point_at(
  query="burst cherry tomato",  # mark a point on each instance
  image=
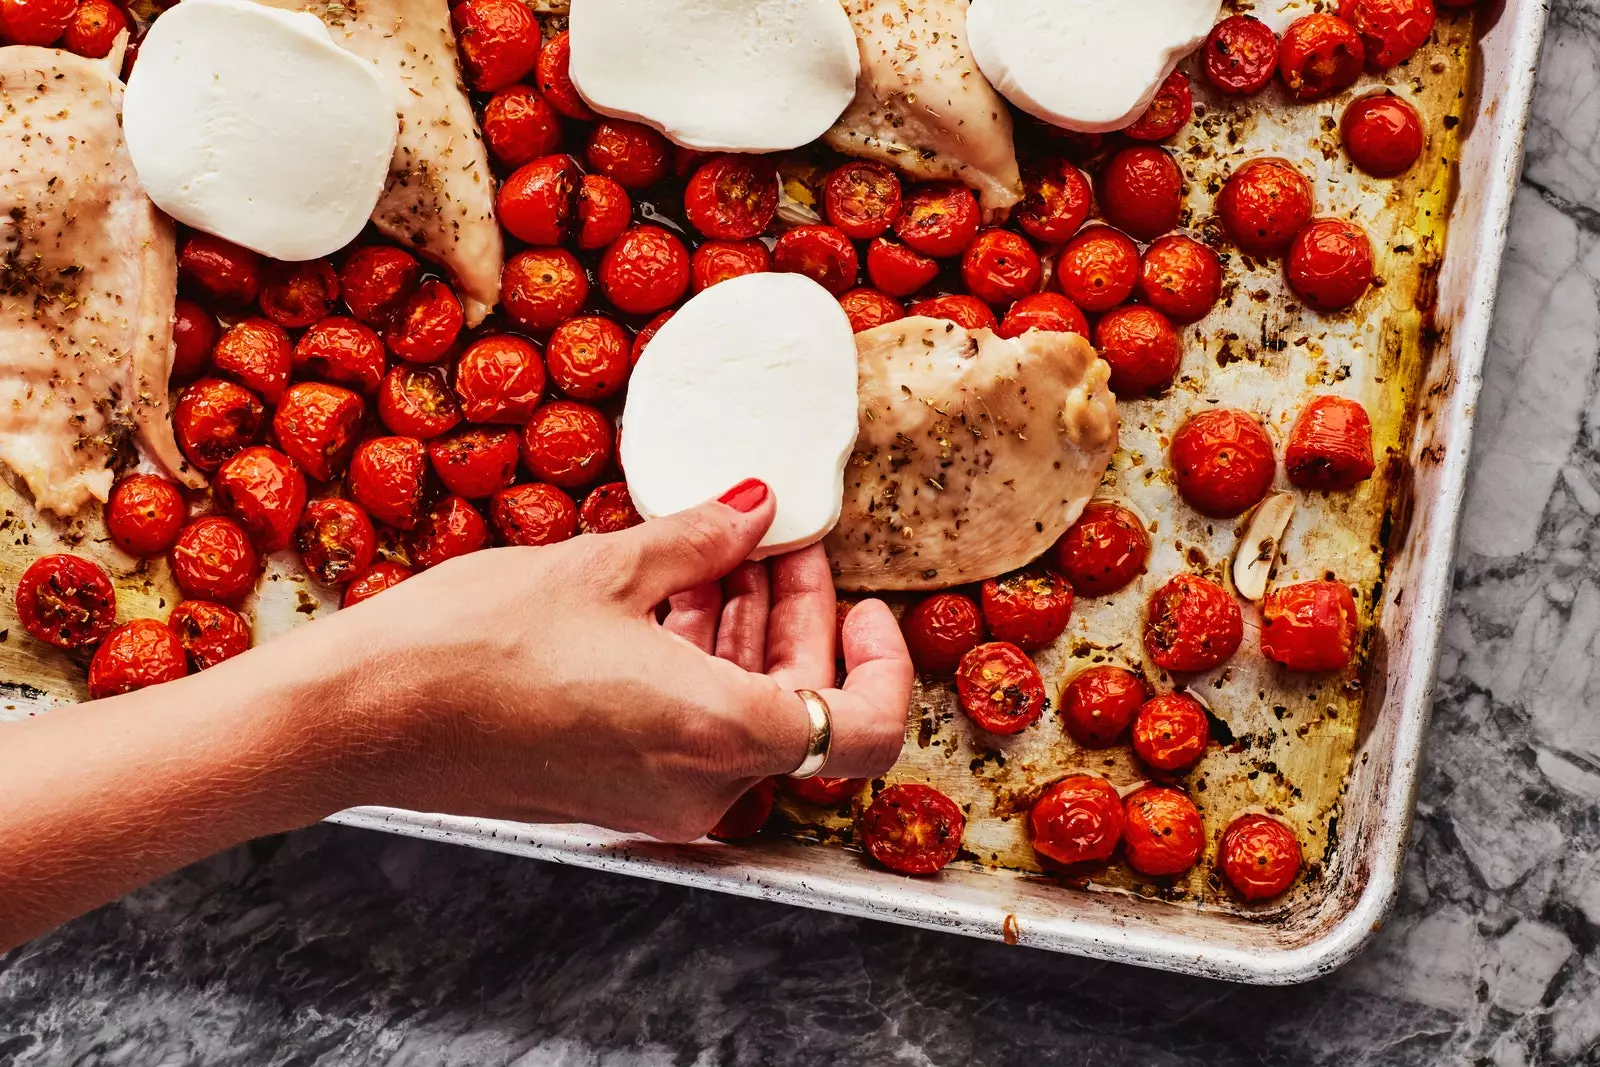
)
(822, 253)
(747, 815)
(451, 528)
(588, 357)
(266, 492)
(476, 462)
(214, 419)
(539, 202)
(1259, 857)
(386, 478)
(1170, 732)
(646, 270)
(316, 426)
(1330, 446)
(1329, 265)
(374, 580)
(500, 379)
(717, 261)
(427, 325)
(376, 280)
(1050, 312)
(295, 295)
(823, 792)
(965, 311)
(534, 515)
(1098, 705)
(940, 630)
(1098, 269)
(1104, 550)
(642, 339)
(1163, 834)
(1391, 30)
(498, 40)
(1077, 820)
(896, 269)
(519, 126)
(93, 29)
(1056, 201)
(1241, 55)
(633, 155)
(608, 509)
(136, 654)
(209, 633)
(732, 198)
(1181, 278)
(1141, 192)
(604, 211)
(862, 198)
(1263, 205)
(336, 540)
(1320, 55)
(256, 354)
(416, 402)
(999, 688)
(66, 601)
(194, 335)
(342, 350)
(219, 271)
(1222, 461)
(1194, 625)
(214, 560)
(567, 444)
(1382, 134)
(35, 22)
(1027, 608)
(144, 514)
(1168, 113)
(1310, 626)
(551, 74)
(939, 219)
(1142, 348)
(912, 829)
(868, 308)
(543, 287)
(1000, 267)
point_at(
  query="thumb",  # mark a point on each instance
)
(699, 545)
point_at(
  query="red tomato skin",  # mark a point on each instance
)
(476, 462)
(451, 528)
(645, 271)
(1000, 267)
(66, 601)
(868, 308)
(135, 655)
(1079, 819)
(1162, 834)
(317, 425)
(1050, 312)
(376, 280)
(1027, 608)
(519, 126)
(336, 540)
(1098, 269)
(897, 270)
(386, 475)
(732, 198)
(604, 211)
(567, 444)
(210, 633)
(498, 41)
(416, 402)
(588, 358)
(717, 261)
(1240, 55)
(1142, 348)
(1330, 445)
(1391, 30)
(214, 560)
(642, 339)
(265, 492)
(1320, 55)
(748, 814)
(1181, 278)
(1098, 705)
(255, 353)
(500, 379)
(1170, 732)
(1141, 192)
(1310, 627)
(822, 253)
(93, 29)
(1382, 134)
(608, 509)
(1263, 205)
(862, 198)
(296, 295)
(1259, 857)
(538, 203)
(1056, 201)
(1104, 551)
(912, 829)
(427, 325)
(1168, 113)
(1000, 689)
(633, 155)
(219, 271)
(35, 22)
(145, 513)
(1329, 265)
(554, 81)
(823, 792)
(194, 335)
(534, 515)
(1193, 625)
(938, 219)
(344, 351)
(376, 579)
(543, 287)
(940, 630)
(965, 311)
(213, 419)
(1222, 462)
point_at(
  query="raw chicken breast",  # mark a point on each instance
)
(922, 106)
(88, 278)
(975, 453)
(440, 198)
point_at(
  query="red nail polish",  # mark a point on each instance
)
(746, 496)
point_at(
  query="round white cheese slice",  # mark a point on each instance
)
(1086, 65)
(250, 123)
(717, 75)
(753, 378)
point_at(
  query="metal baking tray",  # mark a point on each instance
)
(1339, 759)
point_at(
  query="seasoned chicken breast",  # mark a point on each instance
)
(88, 278)
(975, 453)
(922, 106)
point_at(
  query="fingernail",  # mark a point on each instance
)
(746, 496)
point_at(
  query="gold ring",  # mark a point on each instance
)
(820, 735)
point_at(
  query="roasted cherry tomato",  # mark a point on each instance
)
(1141, 191)
(543, 287)
(1168, 113)
(344, 351)
(912, 829)
(539, 202)
(386, 475)
(66, 601)
(374, 580)
(1391, 30)
(1222, 462)
(1029, 608)
(567, 444)
(641, 340)
(1259, 857)
(822, 253)
(1181, 278)
(862, 198)
(1330, 446)
(1263, 205)
(266, 492)
(717, 261)
(498, 39)
(94, 28)
(1104, 550)
(1077, 820)
(938, 219)
(896, 269)
(646, 270)
(136, 654)
(748, 814)
(1194, 625)
(1381, 134)
(144, 514)
(1142, 348)
(533, 515)
(475, 462)
(317, 425)
(1170, 732)
(35, 22)
(1050, 312)
(588, 358)
(519, 126)
(210, 633)
(219, 271)
(732, 198)
(1162, 834)
(427, 325)
(1320, 55)
(999, 688)
(868, 308)
(417, 402)
(214, 560)
(963, 310)
(823, 792)
(256, 354)
(555, 83)
(450, 528)
(214, 419)
(1056, 200)
(1310, 626)
(194, 335)
(1098, 269)
(1329, 265)
(604, 211)
(631, 154)
(1241, 55)
(336, 540)
(1098, 705)
(295, 295)
(942, 629)
(1000, 267)
(500, 379)
(608, 509)
(376, 280)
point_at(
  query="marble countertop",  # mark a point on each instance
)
(338, 946)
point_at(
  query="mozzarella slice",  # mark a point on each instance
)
(1087, 65)
(251, 124)
(717, 75)
(753, 378)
